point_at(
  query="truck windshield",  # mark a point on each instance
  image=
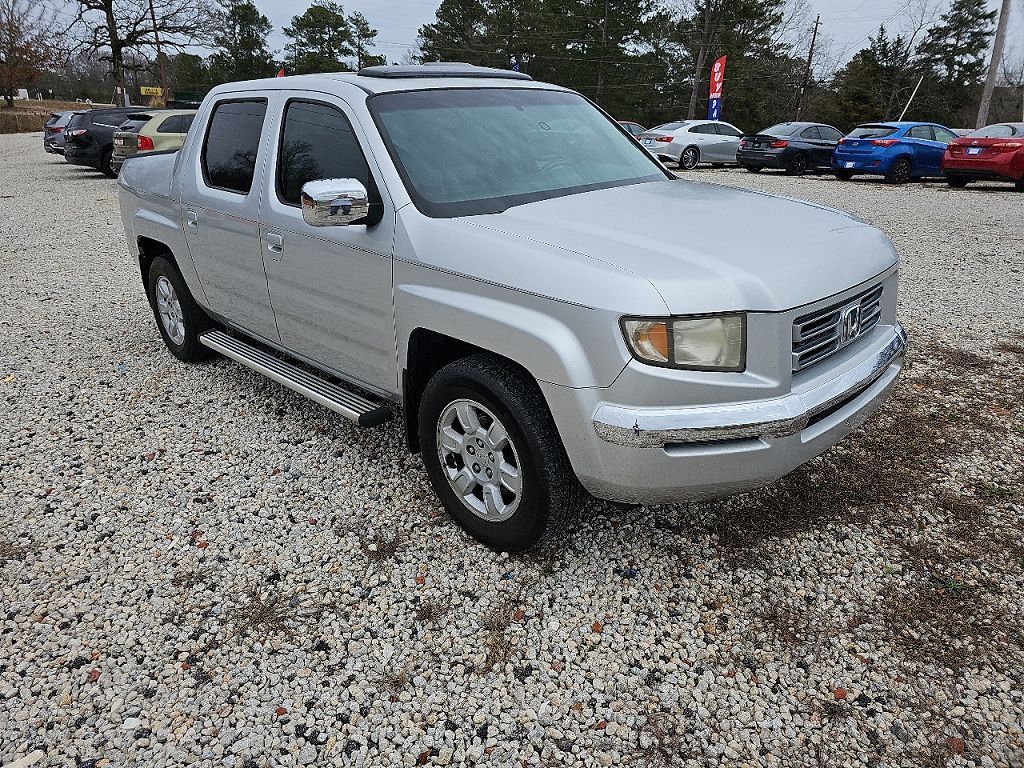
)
(484, 150)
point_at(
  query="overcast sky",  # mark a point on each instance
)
(845, 23)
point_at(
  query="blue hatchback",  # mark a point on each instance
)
(898, 151)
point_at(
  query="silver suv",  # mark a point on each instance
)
(496, 261)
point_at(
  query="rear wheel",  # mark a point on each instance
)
(1020, 184)
(753, 168)
(178, 317)
(105, 167)
(843, 175)
(901, 171)
(689, 159)
(957, 182)
(493, 454)
(797, 165)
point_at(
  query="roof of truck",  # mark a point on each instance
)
(399, 78)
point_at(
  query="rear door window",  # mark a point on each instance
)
(811, 133)
(921, 132)
(317, 142)
(828, 133)
(232, 144)
(941, 134)
(724, 129)
(704, 128)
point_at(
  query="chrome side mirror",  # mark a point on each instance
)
(334, 202)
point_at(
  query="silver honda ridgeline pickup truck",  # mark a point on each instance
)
(496, 260)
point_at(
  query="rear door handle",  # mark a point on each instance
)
(192, 219)
(275, 242)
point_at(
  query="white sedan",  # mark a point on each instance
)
(691, 142)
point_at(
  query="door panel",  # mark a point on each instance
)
(330, 286)
(220, 199)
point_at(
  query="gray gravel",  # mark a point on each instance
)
(198, 567)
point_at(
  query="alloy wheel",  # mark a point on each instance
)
(479, 460)
(168, 307)
(689, 159)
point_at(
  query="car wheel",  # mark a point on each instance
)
(957, 182)
(689, 159)
(105, 167)
(900, 172)
(843, 175)
(753, 168)
(1020, 184)
(178, 317)
(797, 165)
(493, 454)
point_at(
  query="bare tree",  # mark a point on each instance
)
(27, 45)
(993, 65)
(114, 27)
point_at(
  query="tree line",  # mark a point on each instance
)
(110, 44)
(646, 60)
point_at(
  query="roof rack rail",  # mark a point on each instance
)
(442, 69)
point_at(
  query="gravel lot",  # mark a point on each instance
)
(199, 567)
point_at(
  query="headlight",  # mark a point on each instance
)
(711, 343)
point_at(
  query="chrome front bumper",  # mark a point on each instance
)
(778, 417)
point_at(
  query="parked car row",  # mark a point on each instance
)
(898, 151)
(103, 138)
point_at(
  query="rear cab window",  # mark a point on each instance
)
(231, 147)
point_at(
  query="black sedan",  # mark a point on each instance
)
(794, 147)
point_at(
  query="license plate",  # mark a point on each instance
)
(849, 164)
(974, 150)
(648, 141)
(119, 142)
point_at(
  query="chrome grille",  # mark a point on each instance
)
(824, 332)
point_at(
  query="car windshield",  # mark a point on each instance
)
(782, 129)
(473, 151)
(1003, 131)
(871, 131)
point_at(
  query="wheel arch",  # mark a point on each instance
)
(427, 352)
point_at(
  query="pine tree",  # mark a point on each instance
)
(458, 34)
(241, 42)
(321, 39)
(363, 36)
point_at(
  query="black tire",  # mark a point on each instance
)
(550, 491)
(753, 168)
(843, 175)
(901, 172)
(1020, 184)
(689, 159)
(797, 165)
(957, 182)
(105, 167)
(194, 321)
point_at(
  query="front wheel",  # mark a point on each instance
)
(1020, 184)
(956, 182)
(689, 159)
(493, 454)
(753, 168)
(900, 172)
(178, 317)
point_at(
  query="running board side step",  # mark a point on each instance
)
(357, 408)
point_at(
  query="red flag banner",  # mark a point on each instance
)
(280, 72)
(717, 78)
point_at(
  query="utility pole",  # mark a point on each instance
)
(604, 49)
(159, 54)
(807, 71)
(993, 65)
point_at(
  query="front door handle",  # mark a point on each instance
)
(192, 220)
(275, 243)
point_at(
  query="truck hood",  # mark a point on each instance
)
(706, 247)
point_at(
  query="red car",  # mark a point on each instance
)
(995, 152)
